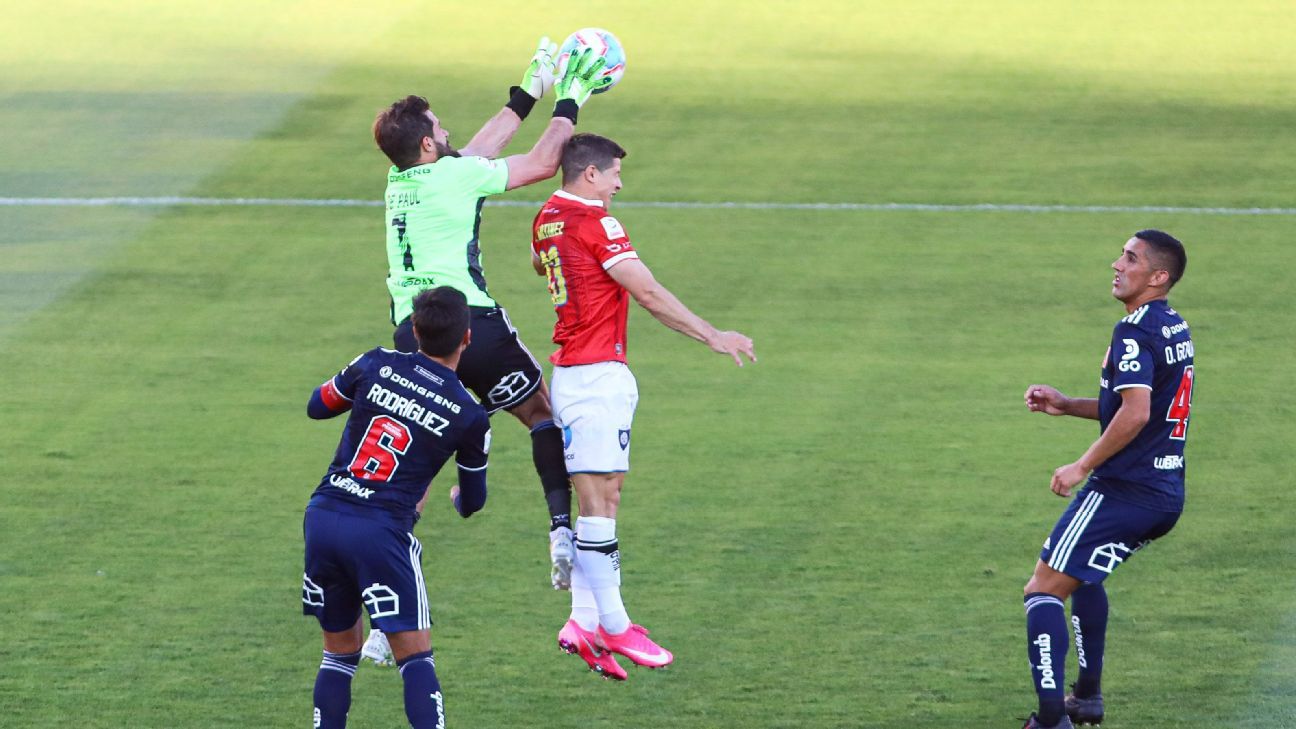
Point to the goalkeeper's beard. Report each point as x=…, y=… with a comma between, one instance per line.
x=445, y=150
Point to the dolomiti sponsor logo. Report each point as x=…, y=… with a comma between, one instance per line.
x=408, y=409
x=1079, y=641
x=350, y=486
x=1168, y=463
x=388, y=374
x=1045, y=667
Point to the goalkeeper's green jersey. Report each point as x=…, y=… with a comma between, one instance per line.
x=433, y=217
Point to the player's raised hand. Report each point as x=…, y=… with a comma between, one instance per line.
x=1045, y=399
x=581, y=77
x=735, y=345
x=539, y=76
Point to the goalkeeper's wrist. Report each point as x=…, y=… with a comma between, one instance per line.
x=567, y=109
x=520, y=101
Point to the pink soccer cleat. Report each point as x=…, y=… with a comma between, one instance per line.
x=575, y=639
x=637, y=646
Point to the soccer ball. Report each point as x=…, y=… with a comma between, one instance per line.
x=604, y=44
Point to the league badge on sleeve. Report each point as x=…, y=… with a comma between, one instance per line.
x=613, y=228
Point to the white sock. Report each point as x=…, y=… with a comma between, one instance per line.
x=599, y=557
x=584, y=608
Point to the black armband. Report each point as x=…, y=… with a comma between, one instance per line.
x=567, y=109
x=520, y=101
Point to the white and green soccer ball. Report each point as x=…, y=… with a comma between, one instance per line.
x=604, y=44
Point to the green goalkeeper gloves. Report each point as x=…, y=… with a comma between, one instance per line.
x=539, y=76
x=581, y=78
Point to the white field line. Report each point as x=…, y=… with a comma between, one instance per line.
x=868, y=207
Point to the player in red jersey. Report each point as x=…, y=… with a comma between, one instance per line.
x=593, y=270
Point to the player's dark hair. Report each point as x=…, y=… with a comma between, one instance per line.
x=400, y=128
x=583, y=150
x=1168, y=251
x=440, y=319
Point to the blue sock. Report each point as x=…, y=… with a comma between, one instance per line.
x=423, y=705
x=1089, y=620
x=1046, y=639
x=333, y=689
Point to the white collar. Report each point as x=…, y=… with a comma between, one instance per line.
x=577, y=198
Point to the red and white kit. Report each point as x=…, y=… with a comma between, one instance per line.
x=594, y=393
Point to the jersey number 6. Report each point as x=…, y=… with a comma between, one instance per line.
x=379, y=453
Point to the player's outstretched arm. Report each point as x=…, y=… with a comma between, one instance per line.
x=579, y=81
x=635, y=277
x=498, y=131
x=1045, y=399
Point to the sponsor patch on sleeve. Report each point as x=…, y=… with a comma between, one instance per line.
x=612, y=227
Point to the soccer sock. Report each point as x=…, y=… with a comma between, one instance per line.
x=423, y=705
x=599, y=556
x=333, y=689
x=584, y=607
x=551, y=465
x=1046, y=644
x=1089, y=620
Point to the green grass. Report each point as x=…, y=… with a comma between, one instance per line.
x=835, y=537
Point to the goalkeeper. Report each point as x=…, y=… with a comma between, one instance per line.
x=434, y=201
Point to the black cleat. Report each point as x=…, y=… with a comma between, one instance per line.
x=1085, y=711
x=1032, y=722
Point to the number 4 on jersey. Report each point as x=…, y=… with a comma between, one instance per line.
x=1180, y=405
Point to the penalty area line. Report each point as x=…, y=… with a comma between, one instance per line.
x=168, y=201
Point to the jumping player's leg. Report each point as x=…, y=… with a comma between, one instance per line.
x=504, y=375
x=547, y=454
x=598, y=555
x=598, y=562
x=424, y=705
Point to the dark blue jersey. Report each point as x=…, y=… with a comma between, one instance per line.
x=409, y=414
x=1151, y=348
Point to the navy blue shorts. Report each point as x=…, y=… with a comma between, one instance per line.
x=496, y=366
x=355, y=562
x=1097, y=533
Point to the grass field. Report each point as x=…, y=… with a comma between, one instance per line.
x=834, y=537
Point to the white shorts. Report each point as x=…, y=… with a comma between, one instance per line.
x=594, y=405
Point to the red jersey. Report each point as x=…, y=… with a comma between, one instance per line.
x=577, y=242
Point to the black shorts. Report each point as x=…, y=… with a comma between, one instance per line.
x=496, y=366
